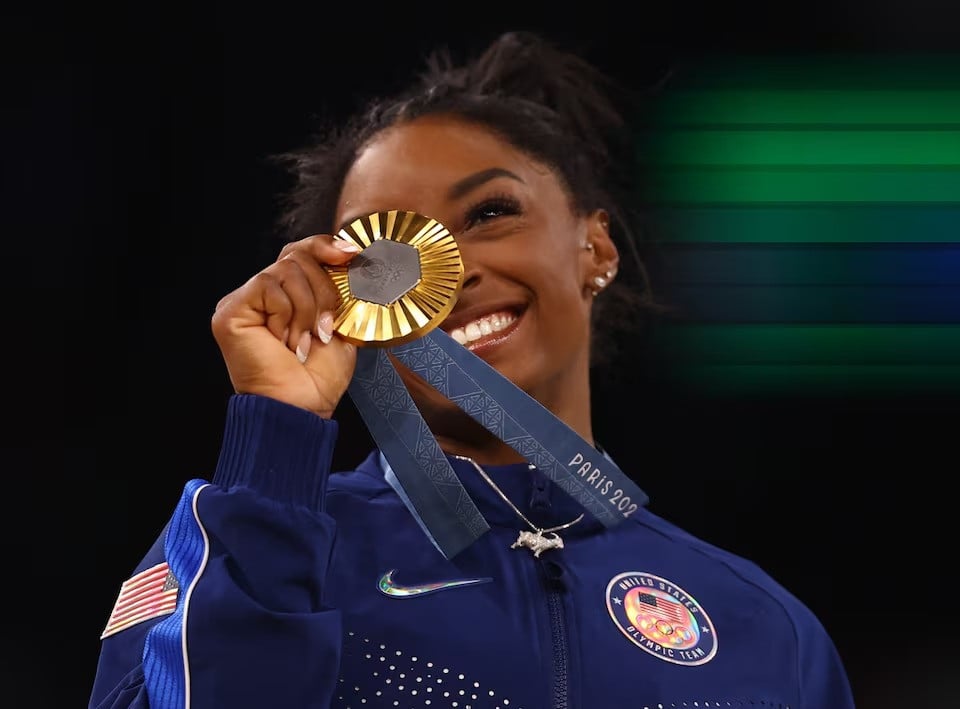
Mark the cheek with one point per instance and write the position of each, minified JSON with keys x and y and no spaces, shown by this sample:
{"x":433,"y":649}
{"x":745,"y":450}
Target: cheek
{"x":562,"y":298}
{"x":564,"y":280}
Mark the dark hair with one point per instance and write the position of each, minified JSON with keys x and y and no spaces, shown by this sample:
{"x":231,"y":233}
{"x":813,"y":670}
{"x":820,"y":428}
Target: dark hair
{"x":551,"y":104}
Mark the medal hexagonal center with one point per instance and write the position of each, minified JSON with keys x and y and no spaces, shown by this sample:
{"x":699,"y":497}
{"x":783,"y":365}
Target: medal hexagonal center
{"x":384,"y":271}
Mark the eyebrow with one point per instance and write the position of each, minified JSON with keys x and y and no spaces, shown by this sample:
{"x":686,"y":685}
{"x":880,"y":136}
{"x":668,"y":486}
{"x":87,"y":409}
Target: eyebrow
{"x":472,"y":182}
{"x":464,"y":186}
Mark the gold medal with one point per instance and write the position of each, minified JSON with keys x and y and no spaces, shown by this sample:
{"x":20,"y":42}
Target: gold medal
{"x":402,"y":284}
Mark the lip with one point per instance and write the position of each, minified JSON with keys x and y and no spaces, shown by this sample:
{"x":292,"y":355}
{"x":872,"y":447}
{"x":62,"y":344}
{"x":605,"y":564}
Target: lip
{"x":494,"y":340}
{"x":462,"y":318}
{"x":489,"y":342}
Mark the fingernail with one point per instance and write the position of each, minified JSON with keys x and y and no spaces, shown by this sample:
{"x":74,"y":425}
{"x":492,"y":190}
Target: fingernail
{"x":347,"y":246}
{"x":303,"y":346}
{"x":325,"y":327}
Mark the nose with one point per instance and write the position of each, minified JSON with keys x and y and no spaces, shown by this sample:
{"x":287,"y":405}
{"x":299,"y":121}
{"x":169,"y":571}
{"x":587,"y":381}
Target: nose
{"x":470,"y":278}
{"x":471,"y":273}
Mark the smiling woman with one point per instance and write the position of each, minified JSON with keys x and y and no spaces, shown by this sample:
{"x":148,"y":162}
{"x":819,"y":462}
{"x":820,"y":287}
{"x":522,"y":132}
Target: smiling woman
{"x":488,"y":553}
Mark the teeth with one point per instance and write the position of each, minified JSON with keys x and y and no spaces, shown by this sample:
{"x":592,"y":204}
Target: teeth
{"x":482,"y":327}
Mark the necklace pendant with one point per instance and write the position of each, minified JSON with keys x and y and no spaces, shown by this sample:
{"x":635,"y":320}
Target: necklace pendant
{"x":537,"y":542}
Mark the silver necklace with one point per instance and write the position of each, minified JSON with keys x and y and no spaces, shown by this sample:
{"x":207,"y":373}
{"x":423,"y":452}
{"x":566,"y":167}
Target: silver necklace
{"x":537,"y":541}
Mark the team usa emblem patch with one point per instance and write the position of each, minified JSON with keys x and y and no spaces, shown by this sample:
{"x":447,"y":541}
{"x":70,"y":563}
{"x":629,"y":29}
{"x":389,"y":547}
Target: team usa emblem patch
{"x":658,"y":616}
{"x":149,"y":594}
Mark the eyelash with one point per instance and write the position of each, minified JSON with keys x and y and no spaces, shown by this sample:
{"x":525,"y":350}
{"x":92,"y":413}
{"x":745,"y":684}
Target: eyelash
{"x":500,"y":205}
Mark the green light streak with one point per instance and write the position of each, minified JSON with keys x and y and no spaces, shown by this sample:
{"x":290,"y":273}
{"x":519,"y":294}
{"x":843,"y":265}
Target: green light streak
{"x":809,"y":107}
{"x":808,"y":148}
{"x":786,"y":185}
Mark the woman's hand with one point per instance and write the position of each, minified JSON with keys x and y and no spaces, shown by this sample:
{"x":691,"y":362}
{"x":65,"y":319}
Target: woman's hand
{"x":275,"y":332}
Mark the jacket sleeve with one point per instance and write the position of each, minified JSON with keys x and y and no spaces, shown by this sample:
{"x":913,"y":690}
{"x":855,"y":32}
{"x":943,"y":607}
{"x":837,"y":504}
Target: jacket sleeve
{"x":245,"y":557}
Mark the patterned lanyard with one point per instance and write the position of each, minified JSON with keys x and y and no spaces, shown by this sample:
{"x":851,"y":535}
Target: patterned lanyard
{"x":427,"y":482}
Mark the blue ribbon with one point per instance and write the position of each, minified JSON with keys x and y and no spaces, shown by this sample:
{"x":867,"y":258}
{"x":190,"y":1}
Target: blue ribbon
{"x":423,"y":475}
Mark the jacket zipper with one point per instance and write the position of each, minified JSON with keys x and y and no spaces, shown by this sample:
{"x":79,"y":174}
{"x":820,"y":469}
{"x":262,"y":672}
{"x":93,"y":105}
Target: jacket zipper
{"x":558,"y":636}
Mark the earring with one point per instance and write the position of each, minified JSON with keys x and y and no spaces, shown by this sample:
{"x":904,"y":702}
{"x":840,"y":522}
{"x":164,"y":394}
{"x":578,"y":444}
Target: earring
{"x":588,"y":245}
{"x":601,"y":282}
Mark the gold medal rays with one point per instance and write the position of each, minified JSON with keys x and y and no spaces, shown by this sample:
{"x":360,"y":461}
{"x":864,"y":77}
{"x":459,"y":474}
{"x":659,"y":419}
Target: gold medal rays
{"x":402,"y":284}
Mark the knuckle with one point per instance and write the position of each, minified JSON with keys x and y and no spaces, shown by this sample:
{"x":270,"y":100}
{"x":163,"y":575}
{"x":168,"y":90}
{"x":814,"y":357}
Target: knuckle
{"x":288,"y":249}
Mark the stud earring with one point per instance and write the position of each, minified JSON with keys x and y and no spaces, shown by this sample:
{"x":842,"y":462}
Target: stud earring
{"x":588,"y":245}
{"x":601,"y":282}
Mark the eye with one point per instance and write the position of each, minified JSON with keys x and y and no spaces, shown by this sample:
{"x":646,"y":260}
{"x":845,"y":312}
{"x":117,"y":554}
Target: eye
{"x":491,"y":208}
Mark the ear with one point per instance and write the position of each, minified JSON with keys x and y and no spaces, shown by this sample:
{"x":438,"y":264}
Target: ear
{"x":602,"y":257}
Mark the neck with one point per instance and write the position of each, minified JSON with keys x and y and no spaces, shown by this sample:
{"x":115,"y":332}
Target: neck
{"x":458,"y":433}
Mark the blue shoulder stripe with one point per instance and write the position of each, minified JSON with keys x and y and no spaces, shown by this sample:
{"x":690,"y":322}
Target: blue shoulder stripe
{"x":165,"y":666}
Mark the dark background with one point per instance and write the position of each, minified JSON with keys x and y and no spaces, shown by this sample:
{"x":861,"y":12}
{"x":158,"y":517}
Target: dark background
{"x":137,"y":191}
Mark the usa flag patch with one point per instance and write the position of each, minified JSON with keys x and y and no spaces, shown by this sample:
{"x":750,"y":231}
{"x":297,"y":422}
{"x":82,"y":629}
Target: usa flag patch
{"x":151,"y":593}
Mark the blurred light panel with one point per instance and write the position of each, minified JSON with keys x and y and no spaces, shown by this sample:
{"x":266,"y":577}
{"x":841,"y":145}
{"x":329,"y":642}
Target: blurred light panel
{"x":807,"y":212}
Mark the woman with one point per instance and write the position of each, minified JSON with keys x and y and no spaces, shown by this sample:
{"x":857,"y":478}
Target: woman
{"x":280,"y":584}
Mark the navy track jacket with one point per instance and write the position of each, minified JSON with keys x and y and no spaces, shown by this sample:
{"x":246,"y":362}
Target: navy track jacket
{"x":279,"y":585}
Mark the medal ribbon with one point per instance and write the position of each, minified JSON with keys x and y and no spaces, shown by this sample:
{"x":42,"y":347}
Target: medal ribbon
{"x":428,"y":484}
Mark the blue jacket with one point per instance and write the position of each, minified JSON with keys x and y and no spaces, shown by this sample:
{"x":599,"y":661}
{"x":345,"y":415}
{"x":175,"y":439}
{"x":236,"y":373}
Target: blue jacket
{"x":280,"y":585}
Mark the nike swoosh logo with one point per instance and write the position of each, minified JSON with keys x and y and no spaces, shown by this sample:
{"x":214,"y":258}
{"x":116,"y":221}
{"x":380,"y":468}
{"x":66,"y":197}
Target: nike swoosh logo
{"x":391,"y":588}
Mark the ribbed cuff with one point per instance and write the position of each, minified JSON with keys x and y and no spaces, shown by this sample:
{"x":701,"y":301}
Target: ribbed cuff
{"x":280,"y":451}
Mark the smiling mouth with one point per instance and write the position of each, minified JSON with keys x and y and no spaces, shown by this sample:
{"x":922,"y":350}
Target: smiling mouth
{"x":484,"y":328}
